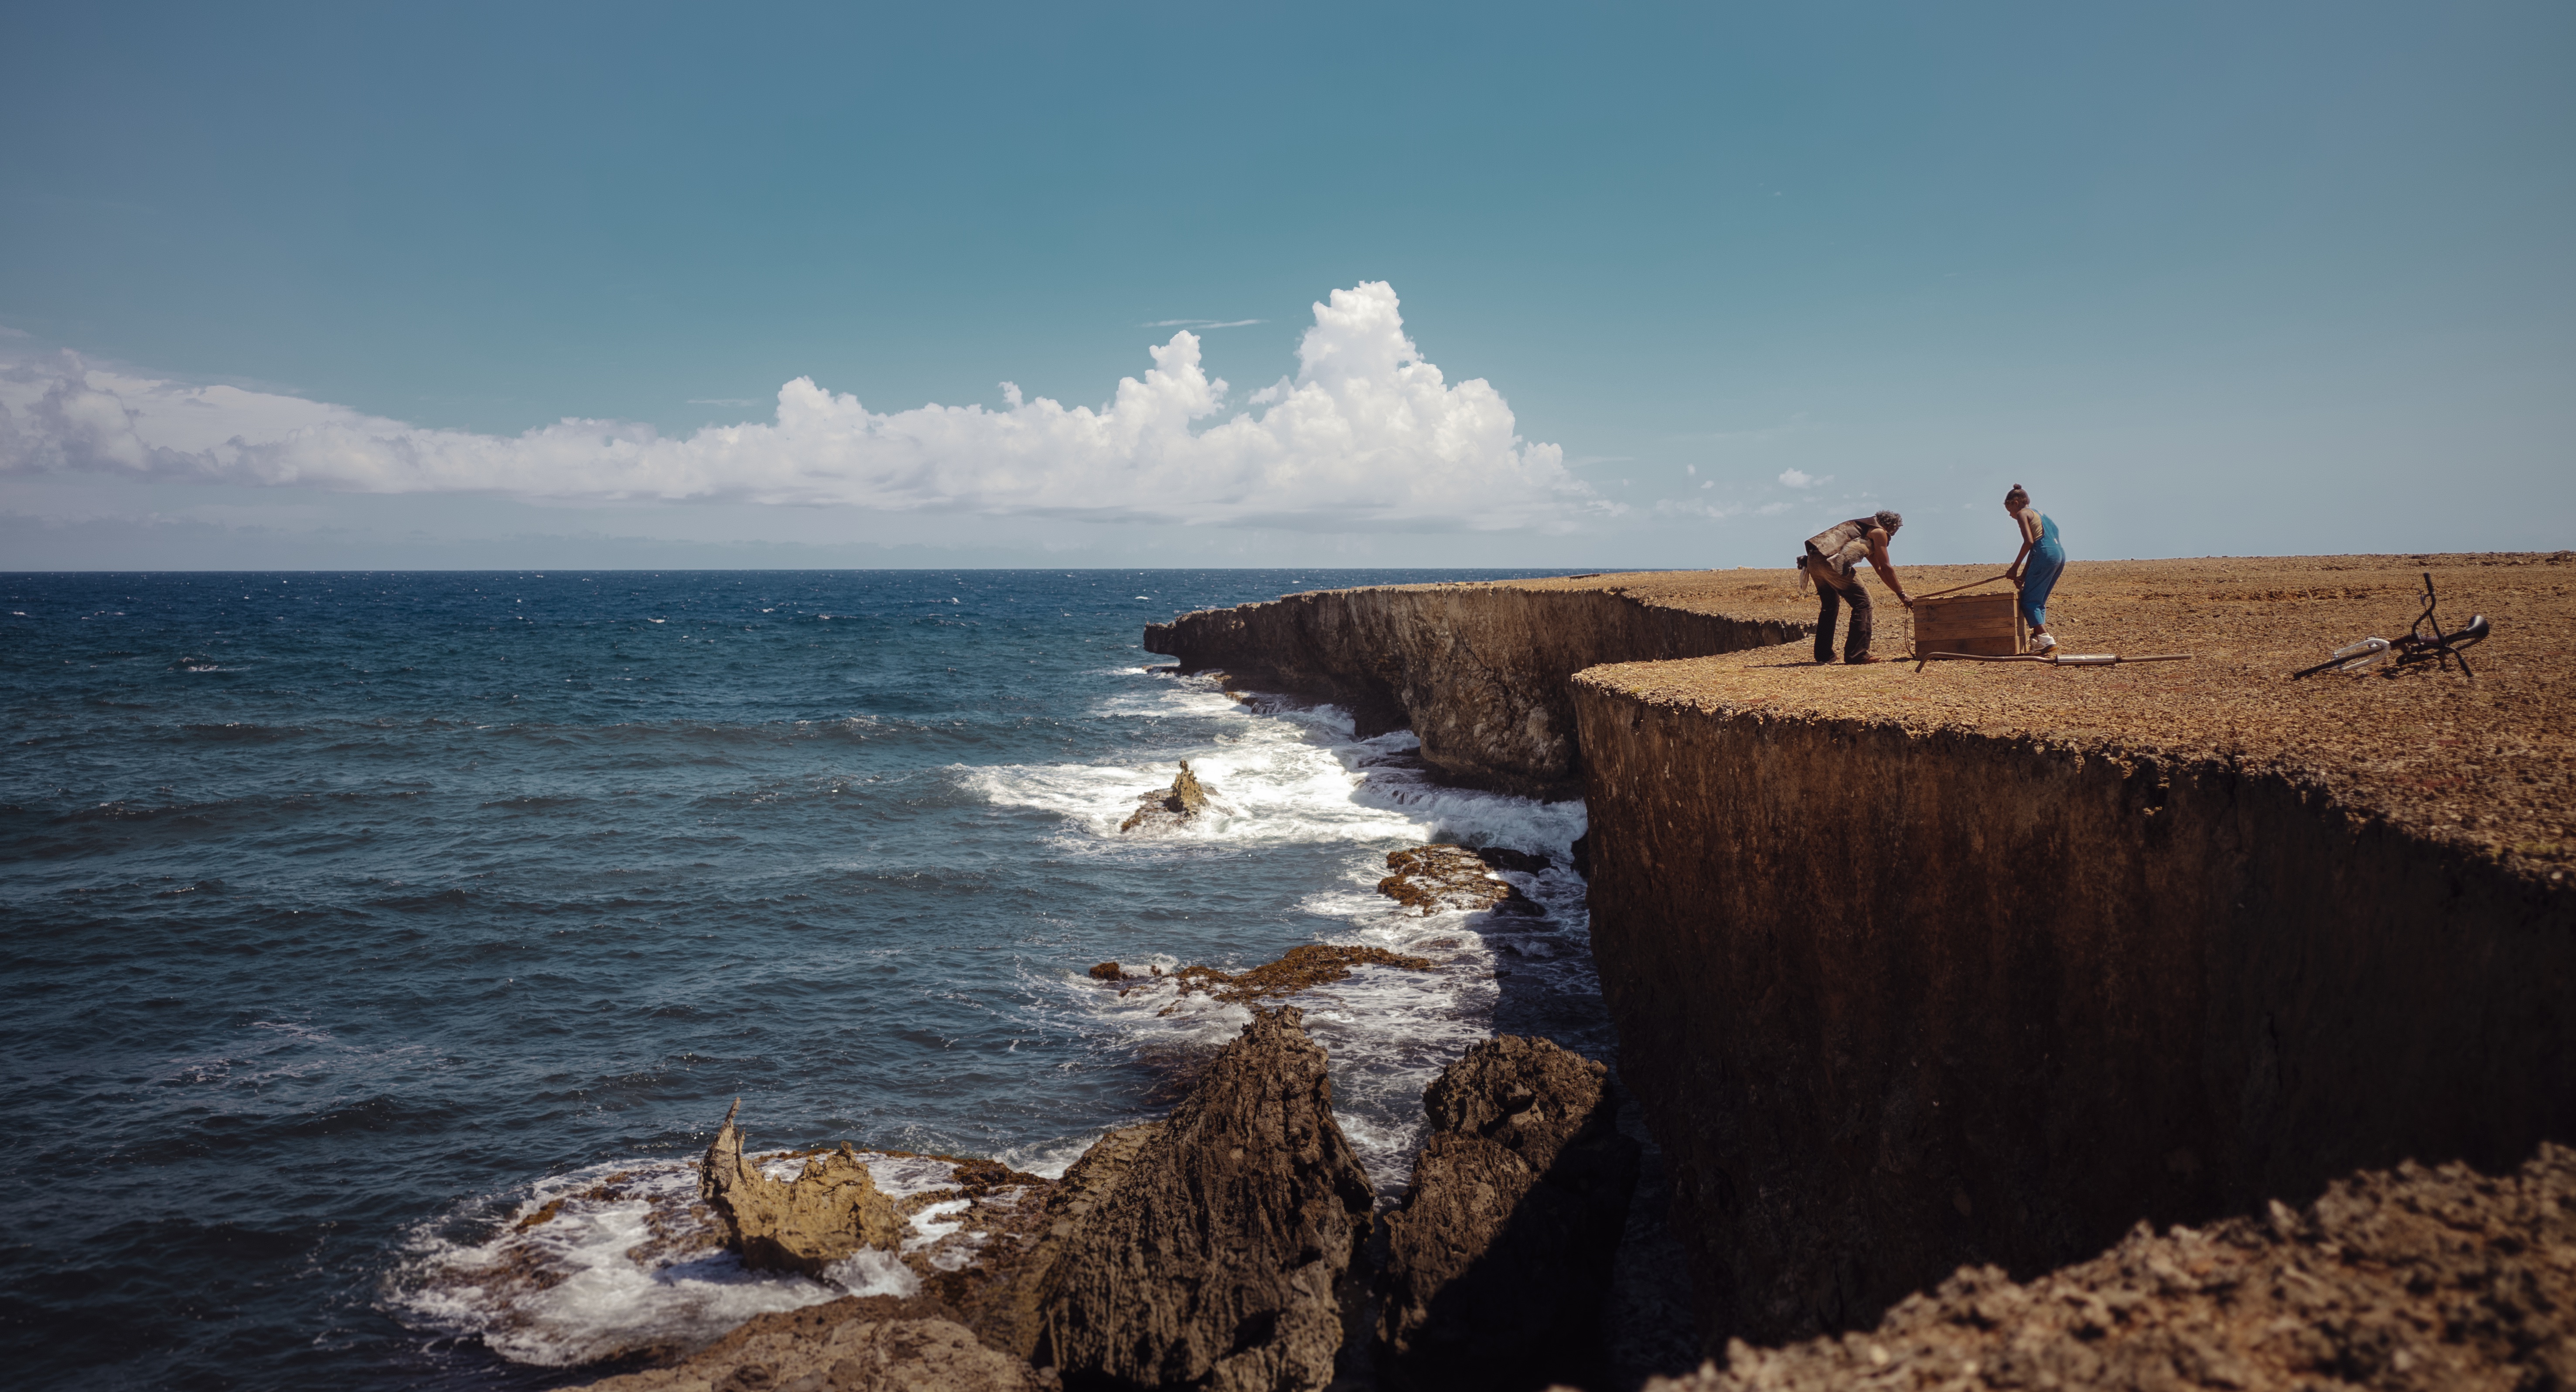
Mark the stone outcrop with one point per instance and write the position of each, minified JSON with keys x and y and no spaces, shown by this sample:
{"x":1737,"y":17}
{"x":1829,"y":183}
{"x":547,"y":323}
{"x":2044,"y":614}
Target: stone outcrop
{"x":828,"y":1212}
{"x":2420,"y":1280}
{"x":1183,"y":800}
{"x":875,"y":1344}
{"x":1449,"y":879}
{"x":1478,"y":672}
{"x":1498,"y":1263}
{"x":1212,"y":1259}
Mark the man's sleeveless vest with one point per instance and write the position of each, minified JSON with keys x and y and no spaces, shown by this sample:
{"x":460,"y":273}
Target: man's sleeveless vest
{"x":1844,"y":546}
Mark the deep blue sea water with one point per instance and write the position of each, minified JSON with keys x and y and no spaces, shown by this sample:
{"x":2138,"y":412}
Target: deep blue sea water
{"x":344,"y":916}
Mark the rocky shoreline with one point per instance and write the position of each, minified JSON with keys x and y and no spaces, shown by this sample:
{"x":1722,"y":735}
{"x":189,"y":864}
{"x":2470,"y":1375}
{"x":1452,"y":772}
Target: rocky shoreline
{"x":1228,"y":1247}
{"x":1903,"y":1122}
{"x":1224,"y":1247}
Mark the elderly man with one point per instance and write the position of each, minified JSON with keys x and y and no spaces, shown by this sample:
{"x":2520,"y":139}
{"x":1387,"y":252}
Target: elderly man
{"x":1833,"y":561}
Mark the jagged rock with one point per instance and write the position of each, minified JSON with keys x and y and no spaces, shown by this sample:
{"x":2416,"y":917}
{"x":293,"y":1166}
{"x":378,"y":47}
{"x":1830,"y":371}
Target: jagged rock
{"x":1446,"y":879}
{"x":1108,"y":971}
{"x":1211,"y":1261}
{"x":805,"y":1224}
{"x":875,"y":1344}
{"x":1498,"y":1262}
{"x":1180,"y":802}
{"x":1017,"y":1323}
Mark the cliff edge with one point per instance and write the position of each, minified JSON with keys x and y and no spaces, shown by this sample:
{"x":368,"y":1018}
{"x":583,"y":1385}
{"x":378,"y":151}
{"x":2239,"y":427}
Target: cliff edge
{"x":1986,"y":963}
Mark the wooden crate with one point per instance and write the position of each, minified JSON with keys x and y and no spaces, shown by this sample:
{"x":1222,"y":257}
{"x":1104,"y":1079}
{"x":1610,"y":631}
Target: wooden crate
{"x":1987,"y":624}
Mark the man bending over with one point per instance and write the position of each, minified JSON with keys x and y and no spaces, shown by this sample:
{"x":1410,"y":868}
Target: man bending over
{"x":1833,"y":561}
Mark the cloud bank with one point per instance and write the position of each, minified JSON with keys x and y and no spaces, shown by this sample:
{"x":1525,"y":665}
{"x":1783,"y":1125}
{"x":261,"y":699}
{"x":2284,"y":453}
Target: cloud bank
{"x":1367,"y":435}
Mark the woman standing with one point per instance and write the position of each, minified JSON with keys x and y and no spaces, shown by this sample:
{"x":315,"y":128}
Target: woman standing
{"x":2047,"y":559}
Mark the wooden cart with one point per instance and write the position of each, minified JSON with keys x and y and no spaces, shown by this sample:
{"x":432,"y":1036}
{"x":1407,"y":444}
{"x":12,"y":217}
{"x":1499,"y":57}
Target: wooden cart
{"x":1986,"y":624}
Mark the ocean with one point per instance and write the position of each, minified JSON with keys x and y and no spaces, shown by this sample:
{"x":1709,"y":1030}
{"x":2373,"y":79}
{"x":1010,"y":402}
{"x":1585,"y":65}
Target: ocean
{"x":351,"y":919}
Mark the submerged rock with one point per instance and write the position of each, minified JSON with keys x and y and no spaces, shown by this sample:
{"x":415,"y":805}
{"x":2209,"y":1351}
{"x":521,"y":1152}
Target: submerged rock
{"x":1180,"y":802}
{"x":1499,"y":1260}
{"x":874,"y":1344}
{"x":1449,"y":879}
{"x":1211,"y":1260}
{"x":1314,"y":964}
{"x":805,"y":1224}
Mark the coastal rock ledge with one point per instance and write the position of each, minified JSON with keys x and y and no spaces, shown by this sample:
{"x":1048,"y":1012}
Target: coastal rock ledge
{"x":859,"y":1344}
{"x":2416,"y":1280}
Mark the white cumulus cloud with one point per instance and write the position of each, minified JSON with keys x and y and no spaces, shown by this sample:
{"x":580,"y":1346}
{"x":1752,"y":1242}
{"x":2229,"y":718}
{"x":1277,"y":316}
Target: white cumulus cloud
{"x":1800,"y":478}
{"x":1366,"y":435}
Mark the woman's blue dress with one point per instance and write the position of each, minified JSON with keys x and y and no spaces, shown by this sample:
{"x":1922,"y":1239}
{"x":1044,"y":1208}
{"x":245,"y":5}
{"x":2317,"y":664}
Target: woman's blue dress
{"x":2047,"y":561}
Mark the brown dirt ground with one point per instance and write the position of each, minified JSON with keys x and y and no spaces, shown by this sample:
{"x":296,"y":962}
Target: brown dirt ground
{"x":2487,"y":762}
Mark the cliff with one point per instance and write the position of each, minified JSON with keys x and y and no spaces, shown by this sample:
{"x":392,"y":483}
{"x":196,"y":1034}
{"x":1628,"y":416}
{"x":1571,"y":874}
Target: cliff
{"x":1479,"y":672}
{"x":1985,"y":964}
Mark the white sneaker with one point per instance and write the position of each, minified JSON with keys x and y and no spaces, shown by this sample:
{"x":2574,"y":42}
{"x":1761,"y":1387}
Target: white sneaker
{"x":2046,"y":641}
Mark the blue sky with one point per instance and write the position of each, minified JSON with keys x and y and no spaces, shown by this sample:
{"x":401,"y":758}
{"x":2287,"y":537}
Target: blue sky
{"x":2210,"y":279}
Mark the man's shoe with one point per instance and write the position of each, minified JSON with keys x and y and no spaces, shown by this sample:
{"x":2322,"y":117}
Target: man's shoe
{"x":1864,"y":657}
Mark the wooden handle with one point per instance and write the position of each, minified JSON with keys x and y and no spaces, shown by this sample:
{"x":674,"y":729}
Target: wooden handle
{"x":1954,"y":589}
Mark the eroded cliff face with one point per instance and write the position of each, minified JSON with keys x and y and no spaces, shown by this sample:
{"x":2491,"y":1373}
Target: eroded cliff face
{"x":1896,"y":1001}
{"x":1479,"y":672}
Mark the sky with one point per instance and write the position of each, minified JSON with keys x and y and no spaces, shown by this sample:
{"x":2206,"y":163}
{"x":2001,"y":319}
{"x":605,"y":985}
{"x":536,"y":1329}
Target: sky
{"x":1604,"y":286}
